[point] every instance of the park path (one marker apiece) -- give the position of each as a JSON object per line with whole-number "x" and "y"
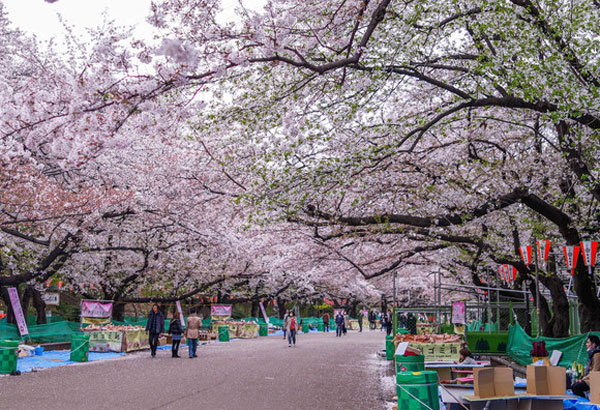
{"x": 321, "y": 372}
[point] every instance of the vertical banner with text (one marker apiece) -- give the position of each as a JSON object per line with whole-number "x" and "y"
{"x": 18, "y": 311}
{"x": 262, "y": 309}
{"x": 458, "y": 313}
{"x": 178, "y": 304}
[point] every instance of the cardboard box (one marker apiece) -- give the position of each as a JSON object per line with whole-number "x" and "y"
{"x": 595, "y": 387}
{"x": 546, "y": 380}
{"x": 492, "y": 382}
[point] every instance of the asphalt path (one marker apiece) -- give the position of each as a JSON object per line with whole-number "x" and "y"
{"x": 321, "y": 372}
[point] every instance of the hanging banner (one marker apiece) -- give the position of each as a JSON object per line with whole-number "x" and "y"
{"x": 525, "y": 254}
{"x": 220, "y": 312}
{"x": 458, "y": 313}
{"x": 264, "y": 313}
{"x": 178, "y": 304}
{"x": 543, "y": 248}
{"x": 571, "y": 253}
{"x": 18, "y": 311}
{"x": 588, "y": 251}
{"x": 93, "y": 308}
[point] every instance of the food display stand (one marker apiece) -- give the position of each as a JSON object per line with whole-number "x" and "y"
{"x": 238, "y": 329}
{"x": 113, "y": 338}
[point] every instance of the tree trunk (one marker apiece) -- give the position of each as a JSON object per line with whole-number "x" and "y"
{"x": 589, "y": 305}
{"x": 40, "y": 306}
{"x": 10, "y": 314}
{"x": 118, "y": 312}
{"x": 558, "y": 325}
{"x": 281, "y": 307}
{"x": 254, "y": 309}
{"x": 544, "y": 308}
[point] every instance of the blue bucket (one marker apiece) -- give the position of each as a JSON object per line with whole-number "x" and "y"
{"x": 39, "y": 351}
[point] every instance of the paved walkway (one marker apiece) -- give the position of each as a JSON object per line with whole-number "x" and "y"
{"x": 321, "y": 372}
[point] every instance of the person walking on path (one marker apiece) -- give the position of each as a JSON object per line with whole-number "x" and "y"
{"x": 326, "y": 322}
{"x": 593, "y": 365}
{"x": 192, "y": 331}
{"x": 175, "y": 330}
{"x": 389, "y": 322}
{"x": 285, "y": 320}
{"x": 154, "y": 327}
{"x": 360, "y": 320}
{"x": 346, "y": 323}
{"x": 339, "y": 325}
{"x": 291, "y": 328}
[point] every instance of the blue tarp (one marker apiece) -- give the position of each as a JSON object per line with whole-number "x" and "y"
{"x": 581, "y": 404}
{"x": 55, "y": 358}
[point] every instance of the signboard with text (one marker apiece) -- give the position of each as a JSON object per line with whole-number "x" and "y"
{"x": 438, "y": 351}
{"x": 51, "y": 298}
{"x": 18, "y": 311}
{"x": 220, "y": 312}
{"x": 96, "y": 312}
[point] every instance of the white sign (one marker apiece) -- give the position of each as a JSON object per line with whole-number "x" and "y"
{"x": 51, "y": 298}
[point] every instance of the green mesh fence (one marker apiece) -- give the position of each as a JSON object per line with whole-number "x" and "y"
{"x": 573, "y": 348}
{"x": 60, "y": 330}
{"x": 49, "y": 333}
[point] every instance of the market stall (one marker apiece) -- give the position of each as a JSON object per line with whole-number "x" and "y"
{"x": 116, "y": 338}
{"x": 237, "y": 329}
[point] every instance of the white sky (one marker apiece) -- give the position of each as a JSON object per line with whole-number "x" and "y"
{"x": 41, "y": 18}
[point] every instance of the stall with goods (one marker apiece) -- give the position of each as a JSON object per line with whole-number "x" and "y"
{"x": 116, "y": 338}
{"x": 237, "y": 329}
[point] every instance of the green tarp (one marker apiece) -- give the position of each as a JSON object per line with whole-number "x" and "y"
{"x": 573, "y": 348}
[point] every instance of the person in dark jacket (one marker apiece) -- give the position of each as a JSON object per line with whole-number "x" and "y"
{"x": 154, "y": 327}
{"x": 411, "y": 323}
{"x": 175, "y": 330}
{"x": 339, "y": 325}
{"x": 326, "y": 322}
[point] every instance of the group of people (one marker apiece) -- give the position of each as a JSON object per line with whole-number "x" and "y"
{"x": 156, "y": 326}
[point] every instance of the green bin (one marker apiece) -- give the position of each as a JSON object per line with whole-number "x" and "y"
{"x": 410, "y": 363}
{"x": 223, "y": 333}
{"x": 389, "y": 347}
{"x": 8, "y": 355}
{"x": 417, "y": 391}
{"x": 263, "y": 329}
{"x": 321, "y": 327}
{"x": 80, "y": 347}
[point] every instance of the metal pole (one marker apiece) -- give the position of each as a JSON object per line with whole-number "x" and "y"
{"x": 394, "y": 278}
{"x": 498, "y": 301}
{"x": 537, "y": 292}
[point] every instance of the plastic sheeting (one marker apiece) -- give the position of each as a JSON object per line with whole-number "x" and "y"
{"x": 580, "y": 404}
{"x": 520, "y": 344}
{"x": 55, "y": 358}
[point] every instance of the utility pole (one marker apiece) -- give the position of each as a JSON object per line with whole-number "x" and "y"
{"x": 537, "y": 289}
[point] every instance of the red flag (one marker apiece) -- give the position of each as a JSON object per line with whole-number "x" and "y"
{"x": 48, "y": 283}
